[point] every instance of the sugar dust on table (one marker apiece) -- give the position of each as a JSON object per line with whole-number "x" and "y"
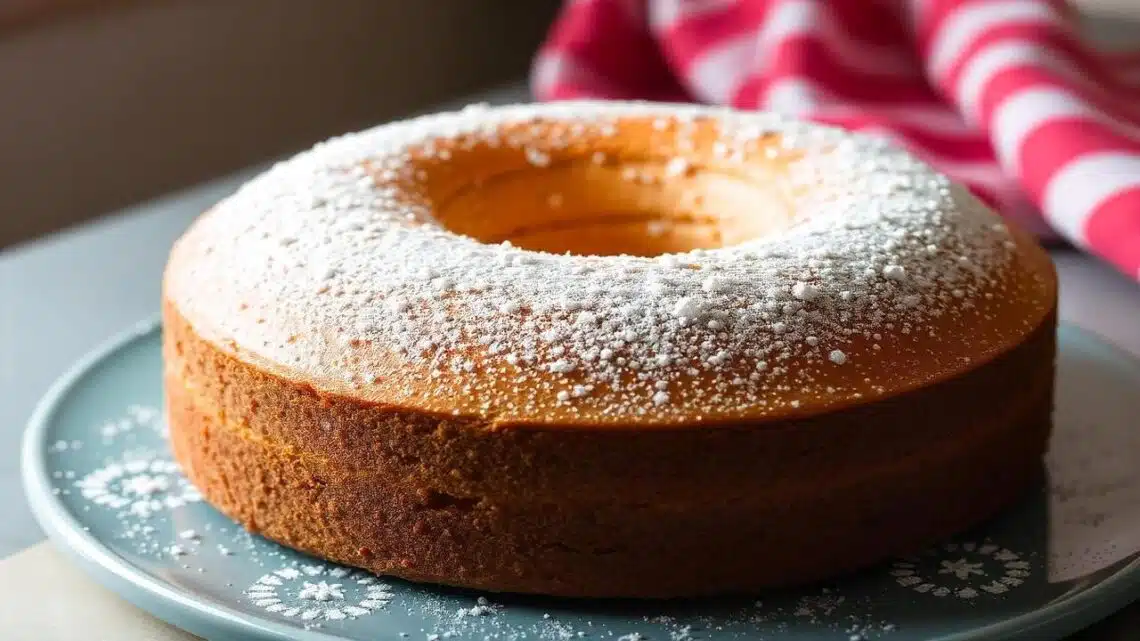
{"x": 103, "y": 484}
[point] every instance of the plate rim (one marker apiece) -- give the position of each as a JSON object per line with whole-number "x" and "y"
{"x": 132, "y": 583}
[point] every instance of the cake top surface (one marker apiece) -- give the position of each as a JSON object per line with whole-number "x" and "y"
{"x": 335, "y": 269}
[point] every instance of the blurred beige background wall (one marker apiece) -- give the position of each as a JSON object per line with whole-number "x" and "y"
{"x": 105, "y": 103}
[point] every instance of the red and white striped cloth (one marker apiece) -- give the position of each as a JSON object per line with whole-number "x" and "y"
{"x": 1002, "y": 95}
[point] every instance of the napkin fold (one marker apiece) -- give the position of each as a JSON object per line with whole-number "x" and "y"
{"x": 1002, "y": 95}
{"x": 45, "y": 598}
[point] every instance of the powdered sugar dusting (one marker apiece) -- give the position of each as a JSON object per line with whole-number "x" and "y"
{"x": 324, "y": 252}
{"x": 140, "y": 484}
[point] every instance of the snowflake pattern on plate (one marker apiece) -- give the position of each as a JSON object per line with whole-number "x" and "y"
{"x": 319, "y": 592}
{"x": 141, "y": 484}
{"x": 966, "y": 570}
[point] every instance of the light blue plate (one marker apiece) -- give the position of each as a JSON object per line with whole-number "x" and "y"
{"x": 102, "y": 484}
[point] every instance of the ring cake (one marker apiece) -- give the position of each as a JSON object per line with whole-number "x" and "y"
{"x": 607, "y": 350}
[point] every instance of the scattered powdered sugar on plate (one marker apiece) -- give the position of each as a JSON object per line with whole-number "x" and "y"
{"x": 137, "y": 416}
{"x": 825, "y": 610}
{"x": 140, "y": 483}
{"x": 1094, "y": 471}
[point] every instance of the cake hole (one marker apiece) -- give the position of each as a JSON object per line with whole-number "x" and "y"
{"x": 638, "y": 208}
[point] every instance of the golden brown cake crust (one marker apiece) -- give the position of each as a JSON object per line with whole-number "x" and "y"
{"x": 625, "y": 513}
{"x": 810, "y": 352}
